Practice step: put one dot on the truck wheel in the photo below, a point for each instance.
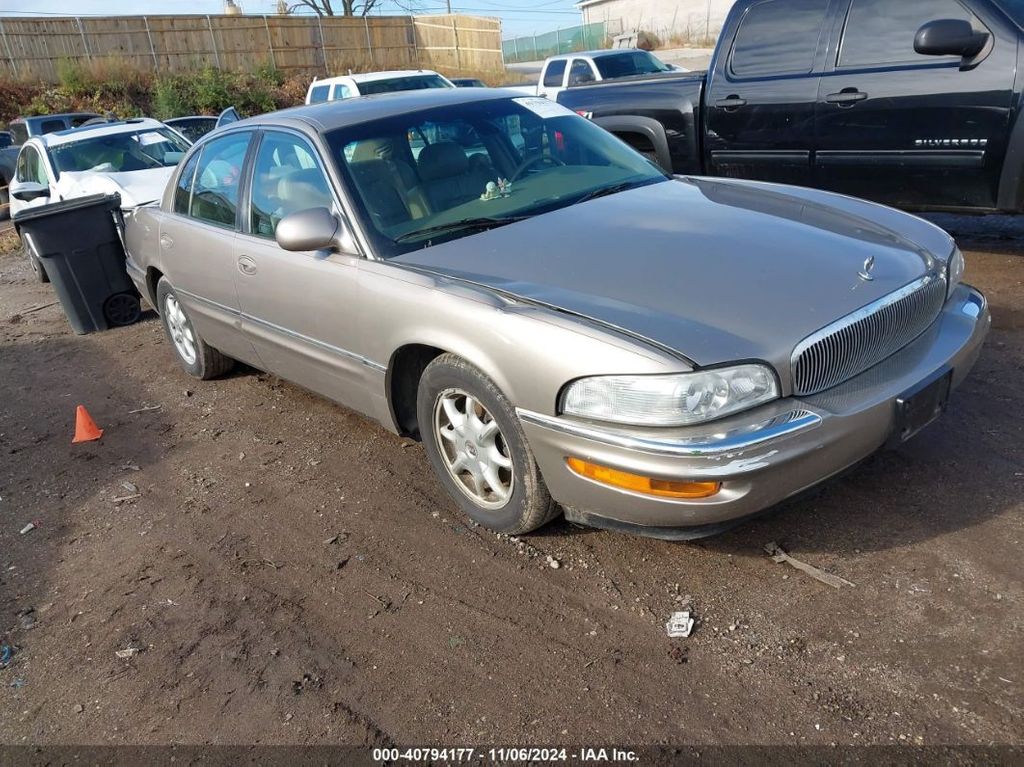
(478, 450)
(199, 359)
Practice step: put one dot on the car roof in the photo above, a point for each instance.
(99, 129)
(347, 112)
(59, 116)
(369, 77)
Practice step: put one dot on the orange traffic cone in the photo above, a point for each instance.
(86, 429)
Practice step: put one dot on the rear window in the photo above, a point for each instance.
(554, 73)
(410, 83)
(19, 133)
(51, 126)
(319, 93)
(778, 37)
(628, 64)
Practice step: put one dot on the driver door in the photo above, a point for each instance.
(33, 172)
(300, 310)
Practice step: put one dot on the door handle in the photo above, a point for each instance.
(731, 102)
(165, 241)
(847, 97)
(246, 265)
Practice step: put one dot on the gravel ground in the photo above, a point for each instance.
(243, 562)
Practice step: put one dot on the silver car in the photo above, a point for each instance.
(564, 327)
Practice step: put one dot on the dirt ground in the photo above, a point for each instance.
(291, 573)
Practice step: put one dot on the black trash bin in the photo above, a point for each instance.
(79, 244)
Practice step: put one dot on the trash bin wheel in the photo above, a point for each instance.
(122, 309)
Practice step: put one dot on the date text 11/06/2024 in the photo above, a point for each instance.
(499, 754)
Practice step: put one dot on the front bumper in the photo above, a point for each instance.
(761, 457)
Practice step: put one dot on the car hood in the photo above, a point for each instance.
(716, 271)
(136, 187)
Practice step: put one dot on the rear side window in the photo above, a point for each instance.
(319, 93)
(19, 132)
(183, 190)
(217, 179)
(778, 37)
(554, 73)
(883, 32)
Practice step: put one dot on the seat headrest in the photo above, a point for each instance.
(304, 189)
(442, 160)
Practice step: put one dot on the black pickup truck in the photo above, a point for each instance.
(914, 103)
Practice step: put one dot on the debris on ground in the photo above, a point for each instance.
(679, 625)
(131, 487)
(123, 498)
(28, 528)
(6, 653)
(18, 683)
(144, 409)
(553, 563)
(128, 652)
(778, 555)
(679, 654)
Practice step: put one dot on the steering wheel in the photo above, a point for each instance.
(537, 159)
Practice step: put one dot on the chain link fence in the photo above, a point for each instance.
(583, 37)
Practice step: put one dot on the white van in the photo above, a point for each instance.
(350, 86)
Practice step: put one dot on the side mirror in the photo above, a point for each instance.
(313, 229)
(26, 191)
(949, 37)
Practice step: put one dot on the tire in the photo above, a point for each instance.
(122, 309)
(204, 362)
(37, 263)
(450, 385)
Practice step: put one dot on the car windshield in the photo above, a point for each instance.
(629, 64)
(433, 175)
(409, 83)
(119, 152)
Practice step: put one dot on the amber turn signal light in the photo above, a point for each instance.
(662, 488)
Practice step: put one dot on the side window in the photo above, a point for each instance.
(553, 74)
(778, 37)
(30, 166)
(215, 190)
(183, 190)
(580, 72)
(342, 91)
(882, 32)
(287, 177)
(319, 93)
(19, 132)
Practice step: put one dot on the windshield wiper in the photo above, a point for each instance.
(480, 223)
(607, 190)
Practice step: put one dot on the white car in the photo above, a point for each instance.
(350, 86)
(134, 158)
(561, 72)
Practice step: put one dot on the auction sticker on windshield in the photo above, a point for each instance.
(544, 108)
(150, 138)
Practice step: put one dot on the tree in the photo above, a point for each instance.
(348, 7)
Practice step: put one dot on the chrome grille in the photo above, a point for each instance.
(861, 340)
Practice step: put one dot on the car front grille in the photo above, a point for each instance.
(850, 346)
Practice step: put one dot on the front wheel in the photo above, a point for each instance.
(199, 359)
(478, 450)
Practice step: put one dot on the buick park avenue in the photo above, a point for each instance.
(565, 327)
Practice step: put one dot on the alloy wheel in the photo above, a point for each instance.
(181, 330)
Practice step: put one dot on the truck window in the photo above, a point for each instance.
(778, 37)
(553, 74)
(318, 93)
(51, 126)
(580, 72)
(882, 32)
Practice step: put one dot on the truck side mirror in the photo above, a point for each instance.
(949, 37)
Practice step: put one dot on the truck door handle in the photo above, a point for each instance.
(732, 102)
(246, 265)
(846, 97)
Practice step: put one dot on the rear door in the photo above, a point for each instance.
(197, 241)
(762, 91)
(299, 309)
(908, 129)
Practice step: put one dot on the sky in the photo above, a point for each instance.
(519, 17)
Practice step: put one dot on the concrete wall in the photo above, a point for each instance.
(687, 20)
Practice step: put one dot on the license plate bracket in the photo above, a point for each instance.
(919, 406)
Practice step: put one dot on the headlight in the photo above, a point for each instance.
(680, 399)
(954, 271)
